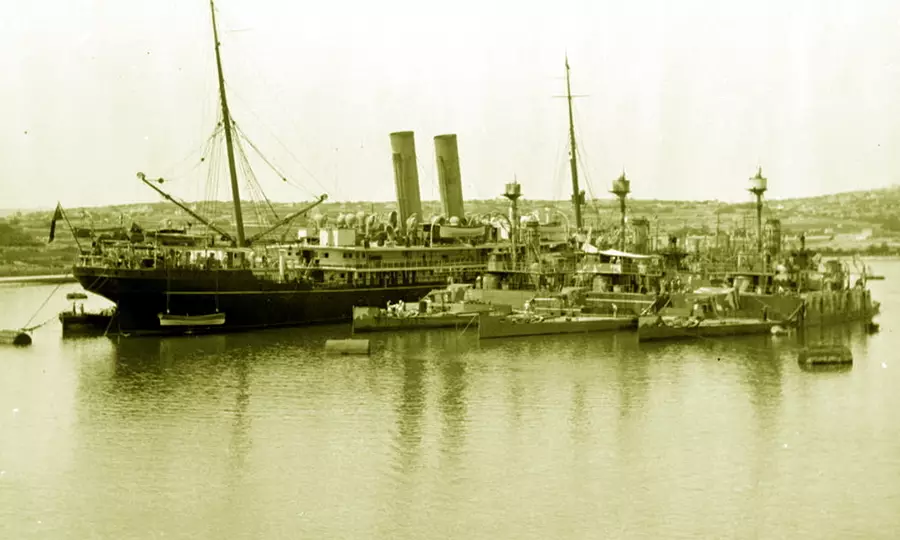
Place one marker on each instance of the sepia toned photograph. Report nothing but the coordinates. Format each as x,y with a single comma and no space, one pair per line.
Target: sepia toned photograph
427,270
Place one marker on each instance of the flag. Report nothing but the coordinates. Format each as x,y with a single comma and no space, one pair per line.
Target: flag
57,215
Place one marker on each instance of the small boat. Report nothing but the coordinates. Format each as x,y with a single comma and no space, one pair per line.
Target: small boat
440,308
371,319
658,328
704,319
77,321
212,319
515,325
551,315
86,323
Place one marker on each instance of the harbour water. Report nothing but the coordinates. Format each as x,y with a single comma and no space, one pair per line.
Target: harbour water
435,435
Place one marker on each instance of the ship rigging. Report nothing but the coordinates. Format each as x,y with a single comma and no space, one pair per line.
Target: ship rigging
233,136
171,281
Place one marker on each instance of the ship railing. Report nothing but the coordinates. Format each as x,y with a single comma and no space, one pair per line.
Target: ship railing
528,268
617,298
111,260
617,268
390,266
150,261
93,261
732,268
160,260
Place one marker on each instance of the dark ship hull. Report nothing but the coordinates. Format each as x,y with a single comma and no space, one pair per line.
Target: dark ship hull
85,323
247,301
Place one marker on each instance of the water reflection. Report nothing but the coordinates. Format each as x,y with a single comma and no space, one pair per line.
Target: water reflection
453,408
239,444
514,398
633,380
436,434
409,411
823,368
579,418
853,336
762,379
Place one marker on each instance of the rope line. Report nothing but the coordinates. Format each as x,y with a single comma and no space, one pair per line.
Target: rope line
35,327
42,305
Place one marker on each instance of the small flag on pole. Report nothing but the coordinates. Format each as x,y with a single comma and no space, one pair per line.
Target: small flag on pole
57,215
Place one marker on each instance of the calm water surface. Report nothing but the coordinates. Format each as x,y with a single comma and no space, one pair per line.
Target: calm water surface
260,435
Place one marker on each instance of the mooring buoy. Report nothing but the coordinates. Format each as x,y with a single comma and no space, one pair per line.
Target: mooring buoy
826,355
348,346
14,337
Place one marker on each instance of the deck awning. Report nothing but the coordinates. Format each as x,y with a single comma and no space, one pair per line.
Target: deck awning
714,291
625,255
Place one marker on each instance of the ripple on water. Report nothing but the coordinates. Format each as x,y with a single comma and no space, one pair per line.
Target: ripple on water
261,435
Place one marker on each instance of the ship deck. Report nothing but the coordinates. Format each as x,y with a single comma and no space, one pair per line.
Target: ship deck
648,330
498,327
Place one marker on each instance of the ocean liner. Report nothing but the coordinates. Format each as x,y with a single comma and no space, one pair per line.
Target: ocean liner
181,280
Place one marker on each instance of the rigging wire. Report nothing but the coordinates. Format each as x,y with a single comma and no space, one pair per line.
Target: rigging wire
229,27
250,191
221,171
211,152
284,146
254,191
587,177
256,149
209,157
559,166
266,160
44,303
172,170
214,175
588,183
253,188
582,154
258,76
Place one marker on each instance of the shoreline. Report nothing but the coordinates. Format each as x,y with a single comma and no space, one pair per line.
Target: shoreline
51,279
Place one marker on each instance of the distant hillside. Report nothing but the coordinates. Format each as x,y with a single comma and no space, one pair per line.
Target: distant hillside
865,221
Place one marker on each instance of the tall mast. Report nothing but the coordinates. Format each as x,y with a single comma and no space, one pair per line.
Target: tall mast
577,196
229,143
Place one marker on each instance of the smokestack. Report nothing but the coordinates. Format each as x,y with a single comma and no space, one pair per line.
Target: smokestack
406,174
447,154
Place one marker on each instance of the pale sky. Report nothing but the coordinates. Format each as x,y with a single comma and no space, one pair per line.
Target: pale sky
687,97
